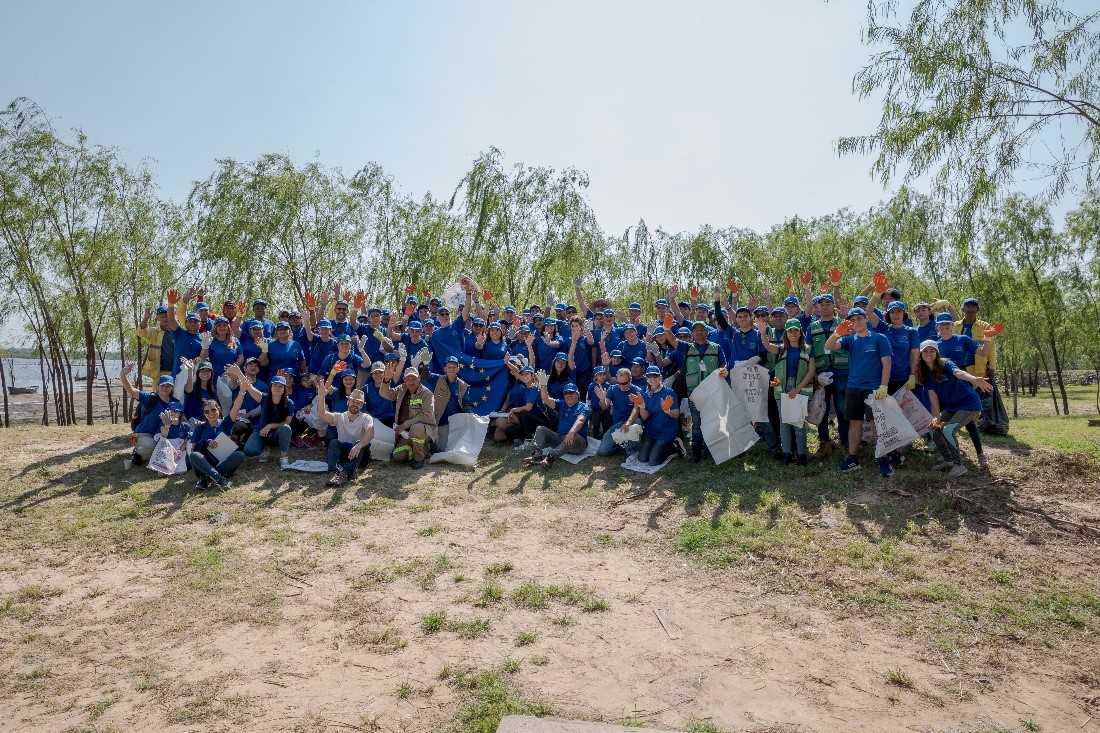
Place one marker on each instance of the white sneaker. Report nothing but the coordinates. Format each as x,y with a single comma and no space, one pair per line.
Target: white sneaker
957,470
284,463
982,462
265,456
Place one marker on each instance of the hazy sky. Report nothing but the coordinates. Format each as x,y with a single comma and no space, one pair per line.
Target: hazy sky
718,112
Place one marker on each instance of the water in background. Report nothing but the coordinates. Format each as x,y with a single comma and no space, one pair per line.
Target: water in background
26,374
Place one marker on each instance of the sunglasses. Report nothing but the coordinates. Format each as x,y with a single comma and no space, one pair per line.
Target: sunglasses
210,412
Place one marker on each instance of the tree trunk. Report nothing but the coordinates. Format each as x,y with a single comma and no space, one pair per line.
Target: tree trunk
1015,395
112,411
1050,382
1058,372
45,384
4,386
89,364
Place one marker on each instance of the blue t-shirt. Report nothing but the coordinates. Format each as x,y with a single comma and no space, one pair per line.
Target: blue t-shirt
284,356
593,400
249,404
153,406
659,425
265,418
353,361
493,350
372,346
222,356
205,432
545,352
902,340
621,406
377,406
953,393
318,352
192,401
582,354
959,349
927,331
865,355
793,355
188,346
742,345
521,395
632,352
268,326
567,416
339,328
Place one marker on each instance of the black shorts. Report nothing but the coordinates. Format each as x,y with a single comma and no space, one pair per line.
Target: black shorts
854,408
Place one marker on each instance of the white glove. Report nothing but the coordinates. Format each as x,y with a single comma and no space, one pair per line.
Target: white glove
630,434
652,348
542,378
207,339
825,379
513,331
264,344
402,353
578,280
168,418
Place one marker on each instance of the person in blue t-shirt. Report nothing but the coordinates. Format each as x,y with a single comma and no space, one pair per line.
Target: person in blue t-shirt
958,348
926,324
150,405
580,351
572,433
207,467
321,346
660,414
869,359
273,425
559,375
343,353
523,399
955,402
599,417
631,346
617,399
220,348
377,406
283,352
187,339
199,388
904,349
259,313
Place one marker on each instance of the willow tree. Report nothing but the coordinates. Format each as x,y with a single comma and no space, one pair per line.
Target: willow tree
972,88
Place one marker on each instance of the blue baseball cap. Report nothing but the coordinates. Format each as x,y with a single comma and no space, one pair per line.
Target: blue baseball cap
256,324
660,301
443,309
653,371
760,309
601,369
862,300
200,306
570,387
944,318
173,405
220,319
683,331
777,311
193,317
634,306
164,379
658,331
392,356
282,324
743,309
526,370
162,309
343,337
896,305
416,326
204,365
385,312
629,327
637,361
538,315
609,312
324,323
857,312
341,302
345,373
559,307
616,354
968,301
827,296
561,355
523,329
259,301
479,322
374,309
451,360
790,300
252,360
509,309
282,380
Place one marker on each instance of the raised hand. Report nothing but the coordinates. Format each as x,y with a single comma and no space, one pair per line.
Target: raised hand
173,296
733,285
824,288
339,366
577,281
995,330
790,283
263,344
427,294
240,309
360,299
637,399
666,403
835,275
410,308
487,296
200,296
844,328
410,289
879,282
128,367
311,300
694,291
806,277
673,290
669,321
542,378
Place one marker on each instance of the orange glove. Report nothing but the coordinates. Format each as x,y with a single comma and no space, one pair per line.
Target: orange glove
410,289
694,290
240,309
995,330
339,366
666,403
173,297
280,373
824,288
637,399
517,321
879,282
410,308
844,328
346,295
790,283
835,275
464,282
733,286
487,296
774,382
427,294
311,300
360,299
200,296
669,321
806,277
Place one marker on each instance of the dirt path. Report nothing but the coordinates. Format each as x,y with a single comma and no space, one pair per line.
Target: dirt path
307,611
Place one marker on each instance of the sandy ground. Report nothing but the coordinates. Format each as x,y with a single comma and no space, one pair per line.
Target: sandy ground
311,650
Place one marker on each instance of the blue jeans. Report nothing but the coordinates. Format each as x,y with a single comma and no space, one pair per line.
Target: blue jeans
697,443
765,431
794,435
280,436
654,451
223,470
609,447
835,392
339,451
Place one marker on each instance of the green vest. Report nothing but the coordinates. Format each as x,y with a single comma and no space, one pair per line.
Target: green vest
824,362
774,335
781,373
693,374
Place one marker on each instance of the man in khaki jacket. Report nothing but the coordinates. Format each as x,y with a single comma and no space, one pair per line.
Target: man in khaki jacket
414,420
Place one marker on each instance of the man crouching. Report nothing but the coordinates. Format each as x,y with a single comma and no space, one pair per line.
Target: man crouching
572,435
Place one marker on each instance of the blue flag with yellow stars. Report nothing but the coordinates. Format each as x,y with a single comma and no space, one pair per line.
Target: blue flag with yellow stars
488,378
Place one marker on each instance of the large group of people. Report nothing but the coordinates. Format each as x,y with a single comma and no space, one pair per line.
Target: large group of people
326,372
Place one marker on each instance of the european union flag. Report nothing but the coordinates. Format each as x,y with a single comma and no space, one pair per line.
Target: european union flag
488,378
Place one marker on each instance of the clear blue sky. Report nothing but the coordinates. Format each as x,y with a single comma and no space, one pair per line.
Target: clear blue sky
718,112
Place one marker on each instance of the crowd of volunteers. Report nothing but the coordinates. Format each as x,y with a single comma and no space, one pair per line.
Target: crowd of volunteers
322,375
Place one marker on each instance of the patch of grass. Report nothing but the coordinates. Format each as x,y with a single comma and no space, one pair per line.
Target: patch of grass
36,593
100,708
511,666
431,530
605,539
1069,434
497,530
539,660
695,725
470,629
899,678
499,568
373,505
382,641
738,533
563,620
530,595
433,622
405,690
206,701
1002,577
490,594
526,638
593,605
490,697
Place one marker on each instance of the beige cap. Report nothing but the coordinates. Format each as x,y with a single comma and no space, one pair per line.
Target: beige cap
357,394
411,371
